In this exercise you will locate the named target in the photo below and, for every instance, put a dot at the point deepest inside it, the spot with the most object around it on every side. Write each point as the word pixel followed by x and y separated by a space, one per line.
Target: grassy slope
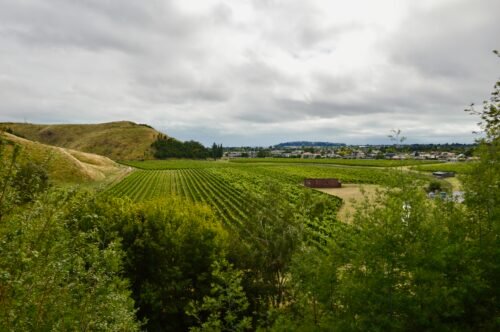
pixel 122 140
pixel 66 165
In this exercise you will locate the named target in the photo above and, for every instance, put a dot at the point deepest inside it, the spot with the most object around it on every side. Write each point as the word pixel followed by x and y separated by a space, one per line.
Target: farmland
pixel 344 162
pixel 457 167
pixel 230 188
pixel 176 164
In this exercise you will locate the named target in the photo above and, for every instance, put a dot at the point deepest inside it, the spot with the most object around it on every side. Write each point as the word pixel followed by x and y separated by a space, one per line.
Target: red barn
pixel 322 183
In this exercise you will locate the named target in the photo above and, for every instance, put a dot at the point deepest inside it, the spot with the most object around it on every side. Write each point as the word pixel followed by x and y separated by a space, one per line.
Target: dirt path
pixel 350 193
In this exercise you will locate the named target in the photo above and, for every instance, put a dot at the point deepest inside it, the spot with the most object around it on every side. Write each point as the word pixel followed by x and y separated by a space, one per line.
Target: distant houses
pixel 347 152
pixel 310 155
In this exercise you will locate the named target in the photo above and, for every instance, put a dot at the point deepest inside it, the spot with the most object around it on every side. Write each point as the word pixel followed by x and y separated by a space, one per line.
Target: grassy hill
pixel 66 165
pixel 123 140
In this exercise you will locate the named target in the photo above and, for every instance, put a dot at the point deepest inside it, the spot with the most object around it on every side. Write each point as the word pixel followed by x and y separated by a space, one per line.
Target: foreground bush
pixel 56 277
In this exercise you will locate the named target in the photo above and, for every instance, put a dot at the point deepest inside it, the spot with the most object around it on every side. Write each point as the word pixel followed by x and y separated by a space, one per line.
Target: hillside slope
pixel 66 165
pixel 122 140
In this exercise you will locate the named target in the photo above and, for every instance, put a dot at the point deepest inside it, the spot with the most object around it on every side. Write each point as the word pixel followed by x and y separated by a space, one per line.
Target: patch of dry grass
pixel 121 140
pixel 351 194
pixel 66 165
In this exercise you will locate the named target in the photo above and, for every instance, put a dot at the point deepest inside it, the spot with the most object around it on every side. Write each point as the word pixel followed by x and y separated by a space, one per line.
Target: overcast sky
pixel 252 72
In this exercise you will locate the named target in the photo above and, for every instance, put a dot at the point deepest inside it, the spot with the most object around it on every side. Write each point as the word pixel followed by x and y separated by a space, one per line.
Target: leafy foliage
pixel 217 151
pixel 170 245
pixel 168 147
pixel 8 166
pixel 30 179
pixel 57 277
pixel 226 305
pixel 406 263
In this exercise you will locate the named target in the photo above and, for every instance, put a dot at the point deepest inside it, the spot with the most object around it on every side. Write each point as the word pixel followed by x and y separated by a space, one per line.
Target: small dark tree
pixel 220 151
pixel 215 152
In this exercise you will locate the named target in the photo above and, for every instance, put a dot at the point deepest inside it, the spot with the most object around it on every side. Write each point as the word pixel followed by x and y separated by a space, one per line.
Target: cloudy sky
pixel 252 72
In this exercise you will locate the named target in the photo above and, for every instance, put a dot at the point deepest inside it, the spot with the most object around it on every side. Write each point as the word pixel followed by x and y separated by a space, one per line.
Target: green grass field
pixel 176 164
pixel 345 162
pixel 229 187
pixel 457 167
pixel 230 192
pixel 253 162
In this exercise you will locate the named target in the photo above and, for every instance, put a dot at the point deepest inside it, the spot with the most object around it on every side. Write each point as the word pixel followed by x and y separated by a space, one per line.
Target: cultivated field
pixel 457 167
pixel 230 188
pixel 177 164
pixel 345 162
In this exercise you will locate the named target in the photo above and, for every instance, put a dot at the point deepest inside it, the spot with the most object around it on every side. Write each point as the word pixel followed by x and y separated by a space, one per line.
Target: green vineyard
pixel 231 192
pixel 341 162
pixel 232 189
pixel 198 185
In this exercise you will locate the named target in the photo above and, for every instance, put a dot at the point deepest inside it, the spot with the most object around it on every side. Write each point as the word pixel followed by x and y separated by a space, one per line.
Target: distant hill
pixel 307 144
pixel 66 165
pixel 123 140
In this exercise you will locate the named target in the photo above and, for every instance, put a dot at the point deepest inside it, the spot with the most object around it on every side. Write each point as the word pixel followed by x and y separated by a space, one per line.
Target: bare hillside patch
pixel 351 194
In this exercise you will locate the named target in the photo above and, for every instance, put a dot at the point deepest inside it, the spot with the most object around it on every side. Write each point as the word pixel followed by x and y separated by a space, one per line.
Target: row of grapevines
pixel 297 173
pixel 179 164
pixel 256 180
pixel 226 190
pixel 195 184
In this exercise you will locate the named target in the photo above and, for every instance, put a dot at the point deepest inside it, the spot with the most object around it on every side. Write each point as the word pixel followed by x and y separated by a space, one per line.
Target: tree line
pixel 167 147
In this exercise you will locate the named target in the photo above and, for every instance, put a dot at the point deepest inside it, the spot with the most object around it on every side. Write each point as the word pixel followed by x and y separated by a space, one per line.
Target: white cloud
pixel 251 72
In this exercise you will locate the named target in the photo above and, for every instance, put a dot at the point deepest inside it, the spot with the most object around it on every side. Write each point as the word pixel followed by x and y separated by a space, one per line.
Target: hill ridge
pixel 307 143
pixel 118 140
pixel 66 165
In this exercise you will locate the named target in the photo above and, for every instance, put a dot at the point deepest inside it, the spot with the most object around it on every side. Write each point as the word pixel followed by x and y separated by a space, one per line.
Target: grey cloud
pixel 127 26
pixel 269 74
pixel 455 40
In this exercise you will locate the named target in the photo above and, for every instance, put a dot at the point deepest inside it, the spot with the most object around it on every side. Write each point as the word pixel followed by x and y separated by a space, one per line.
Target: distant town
pixel 317 150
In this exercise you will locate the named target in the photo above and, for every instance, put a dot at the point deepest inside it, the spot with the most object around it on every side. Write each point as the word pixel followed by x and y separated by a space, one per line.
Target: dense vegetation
pixel 223 185
pixel 74 260
pixel 54 275
pixel 71 260
pixel 165 147
pixel 168 147
pixel 227 192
